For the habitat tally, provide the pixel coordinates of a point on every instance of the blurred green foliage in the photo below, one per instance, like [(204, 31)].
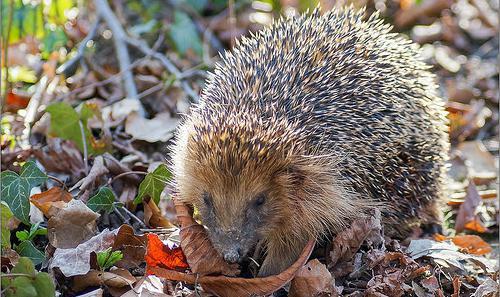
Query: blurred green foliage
[(42, 20)]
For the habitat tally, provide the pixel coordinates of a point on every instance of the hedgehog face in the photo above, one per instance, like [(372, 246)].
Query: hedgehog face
[(238, 211)]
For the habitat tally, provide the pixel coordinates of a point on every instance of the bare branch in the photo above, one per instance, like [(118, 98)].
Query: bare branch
[(119, 38), (144, 47)]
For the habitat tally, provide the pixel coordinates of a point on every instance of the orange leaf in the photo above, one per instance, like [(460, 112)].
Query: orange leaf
[(53, 197), (160, 255), (475, 225), (439, 237), (473, 244)]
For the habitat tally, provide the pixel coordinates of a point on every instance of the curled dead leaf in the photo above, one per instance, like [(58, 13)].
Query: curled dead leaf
[(132, 246), (153, 217), (53, 197), (200, 253), (116, 279), (236, 286)]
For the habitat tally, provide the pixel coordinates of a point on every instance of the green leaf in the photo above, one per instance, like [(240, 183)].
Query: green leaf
[(103, 200), (27, 249), (35, 284), (21, 286), (153, 184), (65, 123), (106, 258), (33, 174), (6, 216), (22, 235), (44, 285), (15, 189), (184, 34)]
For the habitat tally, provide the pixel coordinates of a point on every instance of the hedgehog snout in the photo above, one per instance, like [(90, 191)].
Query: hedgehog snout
[(232, 254)]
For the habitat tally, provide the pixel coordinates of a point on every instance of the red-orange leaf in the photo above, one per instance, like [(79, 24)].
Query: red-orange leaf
[(160, 255), (473, 244)]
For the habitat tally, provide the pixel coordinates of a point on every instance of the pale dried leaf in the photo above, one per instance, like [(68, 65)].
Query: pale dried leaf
[(159, 128), (76, 261)]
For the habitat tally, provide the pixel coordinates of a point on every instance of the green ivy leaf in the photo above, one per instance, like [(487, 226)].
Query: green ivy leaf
[(15, 189), (184, 34), (6, 216), (153, 184), (27, 249), (44, 285), (106, 258), (103, 200)]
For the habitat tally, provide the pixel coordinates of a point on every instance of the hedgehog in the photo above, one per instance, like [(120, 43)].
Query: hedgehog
[(307, 125)]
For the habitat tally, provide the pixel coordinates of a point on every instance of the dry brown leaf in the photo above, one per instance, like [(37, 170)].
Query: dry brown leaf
[(116, 279), (225, 286), (200, 253), (53, 197), (313, 280), (467, 211), (133, 247), (430, 283), (61, 156), (391, 284), (347, 242), (153, 217), (72, 225), (489, 288)]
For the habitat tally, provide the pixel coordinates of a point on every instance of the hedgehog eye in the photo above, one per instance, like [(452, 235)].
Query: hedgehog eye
[(207, 199), (259, 201)]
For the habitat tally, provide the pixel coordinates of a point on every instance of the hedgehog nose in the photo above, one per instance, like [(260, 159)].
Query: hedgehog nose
[(232, 255)]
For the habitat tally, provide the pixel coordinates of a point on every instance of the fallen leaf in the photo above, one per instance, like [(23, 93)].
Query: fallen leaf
[(160, 128), (133, 247), (153, 217), (467, 211), (148, 286), (313, 279), (473, 244), (431, 284), (76, 261), (391, 284), (72, 225), (200, 253), (116, 278), (98, 170), (61, 156), (347, 242), (480, 162), (53, 196), (447, 254), (488, 288), (160, 255), (225, 286)]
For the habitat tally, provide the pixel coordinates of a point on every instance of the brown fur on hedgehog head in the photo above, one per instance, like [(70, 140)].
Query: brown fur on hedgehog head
[(251, 184)]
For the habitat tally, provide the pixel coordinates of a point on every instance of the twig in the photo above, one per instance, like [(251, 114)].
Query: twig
[(151, 90), (124, 174), (134, 217), (81, 48), (57, 180), (144, 47), (85, 152), (119, 38)]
